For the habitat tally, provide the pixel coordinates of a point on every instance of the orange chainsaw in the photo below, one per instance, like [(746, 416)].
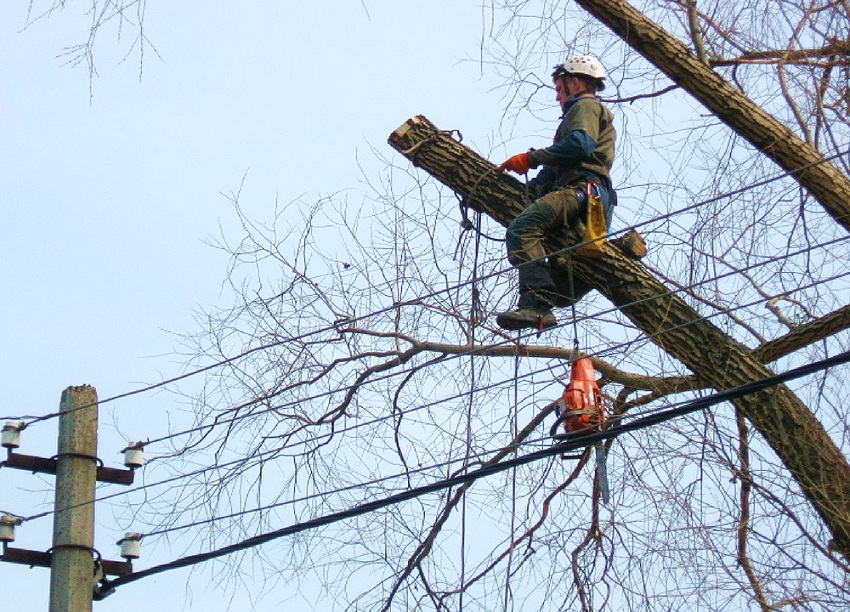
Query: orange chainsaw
[(581, 411)]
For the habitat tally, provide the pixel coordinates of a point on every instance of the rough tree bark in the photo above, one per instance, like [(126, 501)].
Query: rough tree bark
[(717, 360), (820, 178)]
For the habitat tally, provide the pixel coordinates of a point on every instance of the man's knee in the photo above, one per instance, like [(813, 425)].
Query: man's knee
[(525, 234)]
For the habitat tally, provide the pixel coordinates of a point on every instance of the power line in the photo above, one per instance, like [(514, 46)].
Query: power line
[(465, 394), (476, 456), (329, 435), (640, 415), (747, 187), (468, 394), (35, 419), (556, 449), (420, 470), (472, 351)]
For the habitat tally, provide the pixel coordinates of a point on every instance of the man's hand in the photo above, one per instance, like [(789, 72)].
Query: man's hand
[(517, 163)]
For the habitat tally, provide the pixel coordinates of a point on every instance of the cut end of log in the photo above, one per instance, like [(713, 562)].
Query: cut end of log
[(631, 244), (405, 127)]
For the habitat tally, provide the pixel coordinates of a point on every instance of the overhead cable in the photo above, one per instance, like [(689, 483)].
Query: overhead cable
[(108, 586), (473, 351), (317, 438), (35, 419)]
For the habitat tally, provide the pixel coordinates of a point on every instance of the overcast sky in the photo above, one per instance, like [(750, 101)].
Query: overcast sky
[(110, 186)]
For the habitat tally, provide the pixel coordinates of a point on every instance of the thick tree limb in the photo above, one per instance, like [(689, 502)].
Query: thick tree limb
[(718, 361), (804, 335), (836, 52), (802, 161)]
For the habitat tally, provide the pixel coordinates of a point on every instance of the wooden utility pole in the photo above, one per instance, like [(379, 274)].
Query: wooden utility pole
[(72, 564)]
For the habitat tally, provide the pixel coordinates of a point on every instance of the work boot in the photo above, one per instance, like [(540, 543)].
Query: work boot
[(526, 318)]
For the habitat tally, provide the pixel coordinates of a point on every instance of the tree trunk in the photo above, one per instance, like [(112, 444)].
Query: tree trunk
[(820, 178), (719, 361)]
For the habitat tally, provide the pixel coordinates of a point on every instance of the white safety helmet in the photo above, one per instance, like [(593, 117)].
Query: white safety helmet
[(586, 65)]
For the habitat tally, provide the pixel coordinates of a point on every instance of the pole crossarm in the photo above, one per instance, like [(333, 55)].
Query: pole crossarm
[(44, 465)]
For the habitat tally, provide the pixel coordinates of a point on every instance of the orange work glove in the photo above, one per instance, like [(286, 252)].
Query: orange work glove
[(517, 163)]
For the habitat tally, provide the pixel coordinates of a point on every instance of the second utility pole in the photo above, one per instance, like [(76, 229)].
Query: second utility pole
[(72, 564)]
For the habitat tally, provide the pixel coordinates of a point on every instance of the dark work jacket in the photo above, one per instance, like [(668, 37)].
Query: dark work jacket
[(583, 148)]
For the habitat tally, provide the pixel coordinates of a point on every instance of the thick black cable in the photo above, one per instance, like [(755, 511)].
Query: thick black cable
[(559, 448)]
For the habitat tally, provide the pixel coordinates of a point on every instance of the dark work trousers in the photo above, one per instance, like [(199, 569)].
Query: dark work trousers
[(526, 237)]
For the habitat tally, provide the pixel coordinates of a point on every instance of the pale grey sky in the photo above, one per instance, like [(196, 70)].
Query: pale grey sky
[(109, 187)]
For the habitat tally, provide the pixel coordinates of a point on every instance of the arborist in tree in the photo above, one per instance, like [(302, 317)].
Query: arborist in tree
[(577, 166)]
